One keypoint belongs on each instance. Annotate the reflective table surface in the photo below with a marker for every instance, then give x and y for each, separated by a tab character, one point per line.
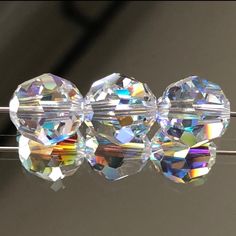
155	42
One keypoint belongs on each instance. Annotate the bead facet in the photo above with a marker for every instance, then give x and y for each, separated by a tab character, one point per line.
193	110
117	161
180	163
52	162
47	109
122	108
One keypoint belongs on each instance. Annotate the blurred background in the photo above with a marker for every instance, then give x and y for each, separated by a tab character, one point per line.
155	42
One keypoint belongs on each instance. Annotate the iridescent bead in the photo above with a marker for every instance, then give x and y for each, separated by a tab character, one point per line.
47	109
180	163
52	162
121	108
115	161
193	110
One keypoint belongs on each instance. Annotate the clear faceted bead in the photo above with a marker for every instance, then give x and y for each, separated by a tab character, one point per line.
47	109
117	161
52	162
121	108
193	110
179	162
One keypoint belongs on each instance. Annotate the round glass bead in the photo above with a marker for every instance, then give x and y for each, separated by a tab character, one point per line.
122	108
193	110
47	109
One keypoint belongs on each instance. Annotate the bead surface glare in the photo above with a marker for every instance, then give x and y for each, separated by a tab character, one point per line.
193	110
46	109
52	162
117	161
180	163
122	108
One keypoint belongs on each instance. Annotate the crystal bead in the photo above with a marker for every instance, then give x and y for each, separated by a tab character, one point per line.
122	108
180	163
193	110
117	161
52	162
46	109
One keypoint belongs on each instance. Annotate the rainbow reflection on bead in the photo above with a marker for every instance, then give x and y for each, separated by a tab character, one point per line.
180	163
122	108
47	109
193	110
52	162
117	161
